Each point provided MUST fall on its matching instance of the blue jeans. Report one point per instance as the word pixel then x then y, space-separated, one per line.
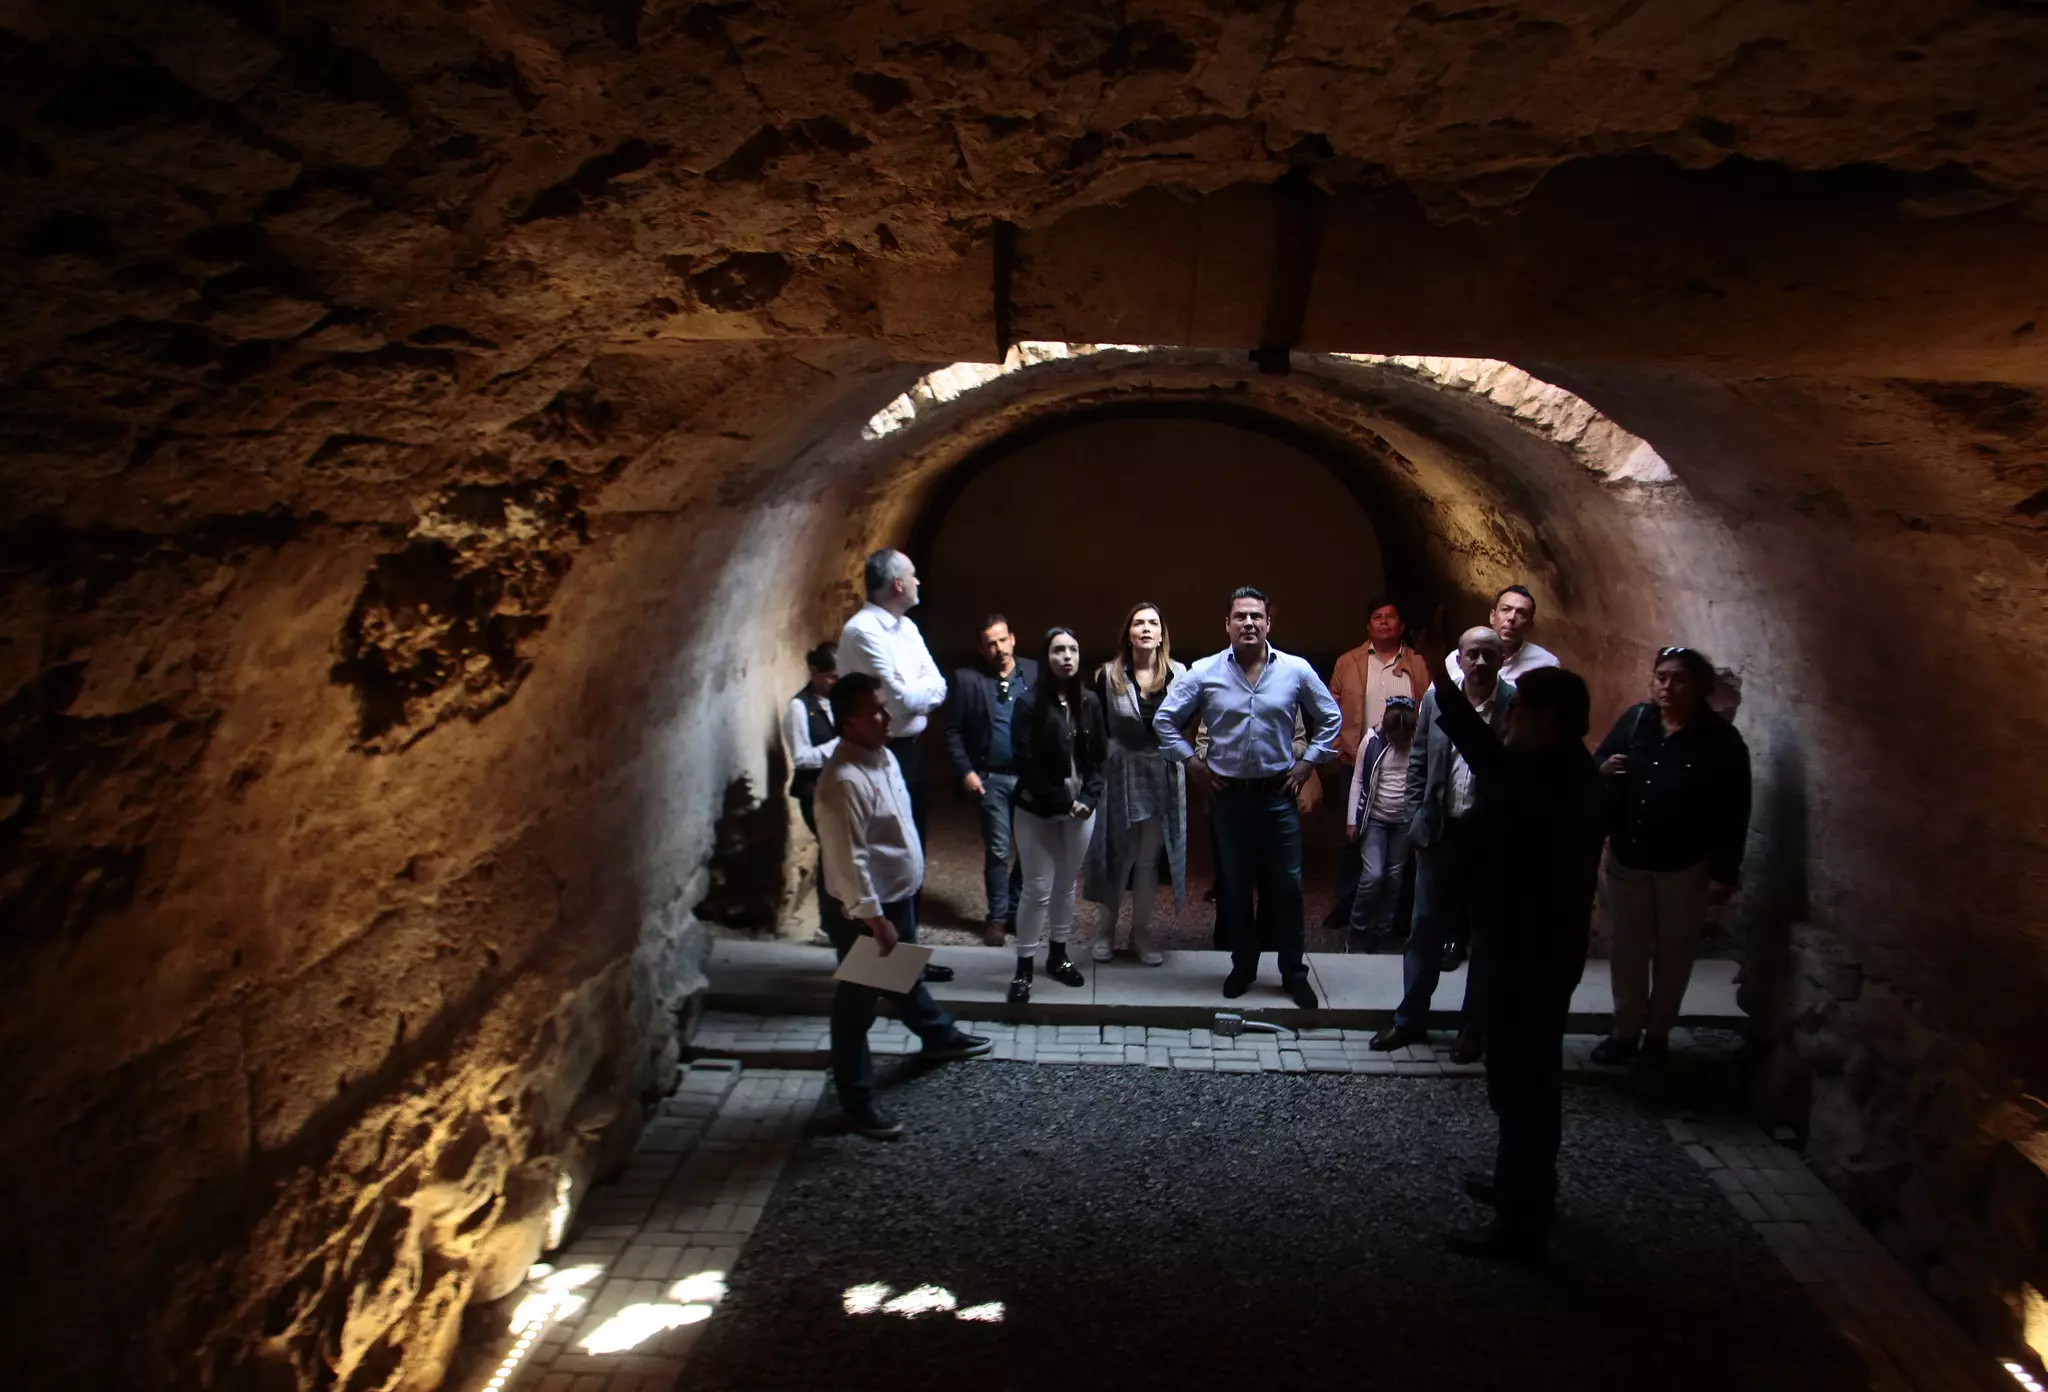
pixel 1003 876
pixel 1383 856
pixel 854 1009
pixel 1446 876
pixel 1258 843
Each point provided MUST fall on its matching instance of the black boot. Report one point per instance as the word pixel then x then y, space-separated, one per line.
pixel 1061 968
pixel 1020 984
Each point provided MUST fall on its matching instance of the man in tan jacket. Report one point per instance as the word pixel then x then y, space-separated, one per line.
pixel 1382 666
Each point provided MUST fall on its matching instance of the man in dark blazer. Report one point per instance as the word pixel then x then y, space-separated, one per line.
pixel 1441 800
pixel 978 739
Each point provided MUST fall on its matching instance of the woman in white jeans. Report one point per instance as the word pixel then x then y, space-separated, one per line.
pixel 1058 743
pixel 1145 798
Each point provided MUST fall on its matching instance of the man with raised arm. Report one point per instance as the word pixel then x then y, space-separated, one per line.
pixel 1247 697
pixel 1539 827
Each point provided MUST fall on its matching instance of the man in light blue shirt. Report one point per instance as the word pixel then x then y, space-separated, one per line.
pixel 1246 697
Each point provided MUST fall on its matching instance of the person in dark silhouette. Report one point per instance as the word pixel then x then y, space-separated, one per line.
pixel 1540 829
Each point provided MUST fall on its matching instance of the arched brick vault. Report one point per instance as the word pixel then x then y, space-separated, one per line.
pixel 428 432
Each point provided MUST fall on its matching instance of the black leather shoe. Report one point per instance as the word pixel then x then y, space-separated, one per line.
pixel 1304 994
pixel 1020 991
pixel 1613 1053
pixel 934 972
pixel 1469 1048
pixel 960 1046
pixel 1394 1037
pixel 1491 1243
pixel 1480 1187
pixel 875 1124
pixel 1454 958
pixel 1238 982
pixel 1066 973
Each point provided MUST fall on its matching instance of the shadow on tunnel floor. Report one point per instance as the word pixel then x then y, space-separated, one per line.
pixel 1154 1229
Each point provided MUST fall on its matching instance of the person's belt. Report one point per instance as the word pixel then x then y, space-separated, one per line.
pixel 1271 783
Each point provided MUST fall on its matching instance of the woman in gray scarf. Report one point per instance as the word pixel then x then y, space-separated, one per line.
pixel 1145 808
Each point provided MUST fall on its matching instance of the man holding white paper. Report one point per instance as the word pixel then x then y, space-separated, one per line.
pixel 874 867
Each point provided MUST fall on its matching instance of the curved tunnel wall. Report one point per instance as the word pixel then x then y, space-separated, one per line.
pixel 530 843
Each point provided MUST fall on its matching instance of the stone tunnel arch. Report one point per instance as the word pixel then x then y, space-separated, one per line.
pixel 1475 475
pixel 589 310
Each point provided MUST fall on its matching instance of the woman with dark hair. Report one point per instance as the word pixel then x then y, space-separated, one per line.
pixel 1059 745
pixel 1145 794
pixel 1678 815
pixel 1377 820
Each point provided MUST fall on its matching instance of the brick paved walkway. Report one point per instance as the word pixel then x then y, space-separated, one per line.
pixel 619 1308
pixel 801 1041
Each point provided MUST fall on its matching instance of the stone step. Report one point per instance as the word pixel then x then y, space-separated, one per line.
pixel 803 1042
pixel 1358 991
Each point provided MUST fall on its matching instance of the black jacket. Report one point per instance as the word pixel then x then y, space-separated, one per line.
pixel 1042 769
pixel 969 725
pixel 1539 828
pixel 1685 797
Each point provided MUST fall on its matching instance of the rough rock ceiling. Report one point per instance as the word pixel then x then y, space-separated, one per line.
pixel 196 185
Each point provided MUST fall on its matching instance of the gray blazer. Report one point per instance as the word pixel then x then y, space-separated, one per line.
pixel 1429 765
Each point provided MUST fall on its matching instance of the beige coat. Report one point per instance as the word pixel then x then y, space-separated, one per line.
pixel 1348 684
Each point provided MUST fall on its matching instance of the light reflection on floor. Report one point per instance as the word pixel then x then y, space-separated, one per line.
pixel 873 1298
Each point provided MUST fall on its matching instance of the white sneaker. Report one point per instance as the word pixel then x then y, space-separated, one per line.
pixel 1104 950
pixel 1142 949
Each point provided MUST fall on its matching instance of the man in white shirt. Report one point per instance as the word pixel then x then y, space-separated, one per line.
pixel 1440 802
pixel 808 730
pixel 874 867
pixel 1512 618
pixel 882 641
pixel 810 736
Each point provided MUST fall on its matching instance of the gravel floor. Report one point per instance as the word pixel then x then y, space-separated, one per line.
pixel 1155 1229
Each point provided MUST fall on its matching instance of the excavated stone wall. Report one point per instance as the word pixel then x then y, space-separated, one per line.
pixel 1895 527
pixel 431 433
pixel 352 861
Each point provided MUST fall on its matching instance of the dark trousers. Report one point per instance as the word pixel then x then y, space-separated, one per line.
pixel 1525 1085
pixel 1447 881
pixel 854 1009
pixel 909 752
pixel 1350 859
pixel 1258 844
pixel 1219 940
pixel 1002 874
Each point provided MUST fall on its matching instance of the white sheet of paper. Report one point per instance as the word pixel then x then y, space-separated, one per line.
pixel 898 972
